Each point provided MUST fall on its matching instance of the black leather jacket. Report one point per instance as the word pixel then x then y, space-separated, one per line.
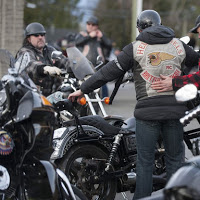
pixel 92 47
pixel 47 84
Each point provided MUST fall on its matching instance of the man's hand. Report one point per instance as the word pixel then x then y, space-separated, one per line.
pixel 163 85
pixel 93 34
pixel 52 71
pixel 99 34
pixel 75 94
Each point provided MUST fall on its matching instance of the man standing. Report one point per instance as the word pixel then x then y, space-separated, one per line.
pixel 156 51
pixel 41 68
pixel 93 43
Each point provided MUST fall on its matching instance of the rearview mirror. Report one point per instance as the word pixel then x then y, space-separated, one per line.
pixel 56 55
pixel 185 39
pixel 99 60
pixel 186 93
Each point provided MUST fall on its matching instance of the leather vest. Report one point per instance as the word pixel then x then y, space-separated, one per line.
pixel 153 60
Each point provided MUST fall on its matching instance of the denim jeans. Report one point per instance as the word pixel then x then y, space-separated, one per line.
pixel 104 91
pixel 147 133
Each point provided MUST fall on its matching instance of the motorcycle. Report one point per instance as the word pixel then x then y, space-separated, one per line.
pixel 79 70
pixel 100 158
pixel 27 121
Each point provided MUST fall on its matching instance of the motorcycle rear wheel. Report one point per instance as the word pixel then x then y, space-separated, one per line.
pixel 84 165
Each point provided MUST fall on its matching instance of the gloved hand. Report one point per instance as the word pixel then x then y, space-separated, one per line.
pixel 52 70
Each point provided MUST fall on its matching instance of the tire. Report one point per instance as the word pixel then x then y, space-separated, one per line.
pixel 84 165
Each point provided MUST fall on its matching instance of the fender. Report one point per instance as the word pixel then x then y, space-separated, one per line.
pixel 69 136
pixel 32 177
pixel 68 187
pixel 53 173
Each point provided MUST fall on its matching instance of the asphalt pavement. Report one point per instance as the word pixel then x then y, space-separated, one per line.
pixel 124 101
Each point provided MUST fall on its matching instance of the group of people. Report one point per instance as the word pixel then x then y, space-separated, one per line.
pixel 92 43
pixel 157 59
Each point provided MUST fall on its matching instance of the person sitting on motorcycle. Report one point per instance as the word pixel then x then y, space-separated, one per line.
pixel 169 83
pixel 156 51
pixel 41 68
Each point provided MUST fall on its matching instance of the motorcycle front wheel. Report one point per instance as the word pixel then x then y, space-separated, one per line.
pixel 84 165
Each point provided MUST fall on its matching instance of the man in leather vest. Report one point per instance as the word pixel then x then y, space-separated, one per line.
pixel 156 51
pixel 41 68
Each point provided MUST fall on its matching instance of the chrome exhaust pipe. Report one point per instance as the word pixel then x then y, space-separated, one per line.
pixel 129 178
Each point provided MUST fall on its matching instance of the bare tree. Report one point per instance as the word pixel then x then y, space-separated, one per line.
pixel 115 16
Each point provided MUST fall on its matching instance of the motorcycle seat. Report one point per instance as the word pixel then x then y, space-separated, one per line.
pixel 100 123
pixel 108 129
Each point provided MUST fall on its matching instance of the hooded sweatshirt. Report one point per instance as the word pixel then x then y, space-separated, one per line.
pixel 156 51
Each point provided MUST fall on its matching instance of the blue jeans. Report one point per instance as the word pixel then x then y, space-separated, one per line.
pixel 104 91
pixel 147 133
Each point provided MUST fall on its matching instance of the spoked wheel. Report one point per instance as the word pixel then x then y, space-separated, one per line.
pixel 84 165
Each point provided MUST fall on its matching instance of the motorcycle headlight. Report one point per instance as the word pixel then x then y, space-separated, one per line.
pixel 4 178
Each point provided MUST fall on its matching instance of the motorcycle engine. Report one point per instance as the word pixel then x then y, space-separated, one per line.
pixel 130 146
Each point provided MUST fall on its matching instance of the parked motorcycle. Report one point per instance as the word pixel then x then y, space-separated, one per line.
pixel 27 121
pixel 100 158
pixel 79 70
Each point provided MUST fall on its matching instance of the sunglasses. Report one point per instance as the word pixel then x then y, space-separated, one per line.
pixel 91 24
pixel 39 34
